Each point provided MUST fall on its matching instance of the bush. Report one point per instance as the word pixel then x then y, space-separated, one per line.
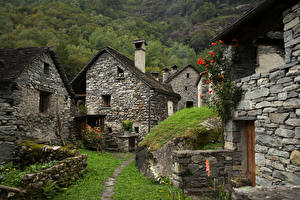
pixel 93 138
pixel 127 125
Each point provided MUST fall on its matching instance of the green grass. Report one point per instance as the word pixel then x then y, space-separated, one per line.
pixel 100 167
pixel 132 185
pixel 175 126
pixel 213 146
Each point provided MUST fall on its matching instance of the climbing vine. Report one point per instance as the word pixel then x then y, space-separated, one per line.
pixel 223 94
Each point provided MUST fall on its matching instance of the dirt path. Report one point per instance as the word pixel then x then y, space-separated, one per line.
pixel 109 184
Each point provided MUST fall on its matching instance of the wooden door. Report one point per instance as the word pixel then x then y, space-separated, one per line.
pixel 251 153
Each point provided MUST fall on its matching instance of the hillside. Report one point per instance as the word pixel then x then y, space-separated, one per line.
pixel 176 30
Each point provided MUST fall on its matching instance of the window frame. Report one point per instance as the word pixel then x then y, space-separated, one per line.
pixel 44 102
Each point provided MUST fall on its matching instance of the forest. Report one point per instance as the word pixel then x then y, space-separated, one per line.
pixel 176 30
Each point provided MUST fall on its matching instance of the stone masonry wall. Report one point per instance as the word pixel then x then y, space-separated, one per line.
pixel 19 110
pixel 181 82
pixel 129 96
pixel 189 168
pixel 272 102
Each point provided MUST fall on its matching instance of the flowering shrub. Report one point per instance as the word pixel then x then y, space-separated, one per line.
pixel 223 94
pixel 93 137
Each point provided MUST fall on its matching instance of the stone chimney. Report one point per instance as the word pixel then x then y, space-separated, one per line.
pixel 174 69
pixel 140 54
pixel 155 75
pixel 165 74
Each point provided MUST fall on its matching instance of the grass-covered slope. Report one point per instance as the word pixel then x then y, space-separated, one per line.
pixel 175 126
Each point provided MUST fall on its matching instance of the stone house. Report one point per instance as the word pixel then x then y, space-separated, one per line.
pixel 184 82
pixel 265 127
pixel 111 84
pixel 35 98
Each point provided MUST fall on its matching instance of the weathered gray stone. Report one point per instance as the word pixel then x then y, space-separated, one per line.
pixel 260 159
pixel 284 80
pixel 290 141
pixel 263 92
pixel 295 70
pixel 269 141
pixel 292 103
pixel 263 104
pixel 269 110
pixel 291 24
pixel 291 88
pixel 284 133
pixel 245 105
pixel 278 118
pixel 293 122
pixel 276 89
pixel 275 152
pixel 297 133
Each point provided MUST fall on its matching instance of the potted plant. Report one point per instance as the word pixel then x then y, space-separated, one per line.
pixel 127 127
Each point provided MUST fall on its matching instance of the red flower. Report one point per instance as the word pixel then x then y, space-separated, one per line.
pixel 218 103
pixel 221 42
pixel 234 40
pixel 200 61
pixel 201 95
pixel 213 44
pixel 208 82
pixel 210 91
pixel 212 61
pixel 206 72
pixel 206 65
pixel 211 53
pixel 222 76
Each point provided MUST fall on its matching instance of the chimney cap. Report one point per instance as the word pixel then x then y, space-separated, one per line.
pixel 140 41
pixel 166 69
pixel 174 67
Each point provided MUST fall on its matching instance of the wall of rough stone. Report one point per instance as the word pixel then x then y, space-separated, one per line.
pixel 31 122
pixel 19 112
pixel 64 173
pixel 189 168
pixel 272 102
pixel 180 82
pixel 130 98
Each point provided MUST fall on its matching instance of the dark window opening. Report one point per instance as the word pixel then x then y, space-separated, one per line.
pixel 189 104
pixel 44 102
pixel 136 129
pixel 109 129
pixel 185 88
pixel 106 100
pixel 188 75
pixel 120 73
pixel 94 122
pixel 46 68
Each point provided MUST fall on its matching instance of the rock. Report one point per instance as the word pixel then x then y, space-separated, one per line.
pixel 284 133
pixel 293 122
pixel 278 118
pixel 275 152
pixel 292 103
pixel 255 94
pixel 260 159
pixel 295 157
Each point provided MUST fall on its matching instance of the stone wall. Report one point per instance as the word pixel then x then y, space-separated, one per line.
pixel 271 102
pixel 189 169
pixel 129 99
pixel 64 173
pixel 19 112
pixel 186 87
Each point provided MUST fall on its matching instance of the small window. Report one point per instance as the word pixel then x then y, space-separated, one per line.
pixel 188 75
pixel 185 88
pixel 189 104
pixel 106 100
pixel 46 68
pixel 120 73
pixel 136 129
pixel 44 102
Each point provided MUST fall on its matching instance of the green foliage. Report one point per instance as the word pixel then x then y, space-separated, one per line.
pixel 127 125
pixel 49 189
pixel 131 184
pixel 100 167
pixel 224 95
pixel 82 109
pixel 176 126
pixel 12 176
pixel 76 28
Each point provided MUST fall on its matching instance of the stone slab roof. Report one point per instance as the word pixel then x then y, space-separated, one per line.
pixel 265 17
pixel 179 71
pixel 129 64
pixel 14 61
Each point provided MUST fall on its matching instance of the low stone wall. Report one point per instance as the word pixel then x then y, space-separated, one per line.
pixel 189 169
pixel 262 193
pixel 29 153
pixel 64 173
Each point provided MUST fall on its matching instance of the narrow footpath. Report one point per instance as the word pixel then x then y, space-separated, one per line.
pixel 109 184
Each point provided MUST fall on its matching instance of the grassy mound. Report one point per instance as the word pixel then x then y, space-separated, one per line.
pixel 176 126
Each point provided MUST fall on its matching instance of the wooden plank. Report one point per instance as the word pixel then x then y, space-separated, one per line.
pixel 251 166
